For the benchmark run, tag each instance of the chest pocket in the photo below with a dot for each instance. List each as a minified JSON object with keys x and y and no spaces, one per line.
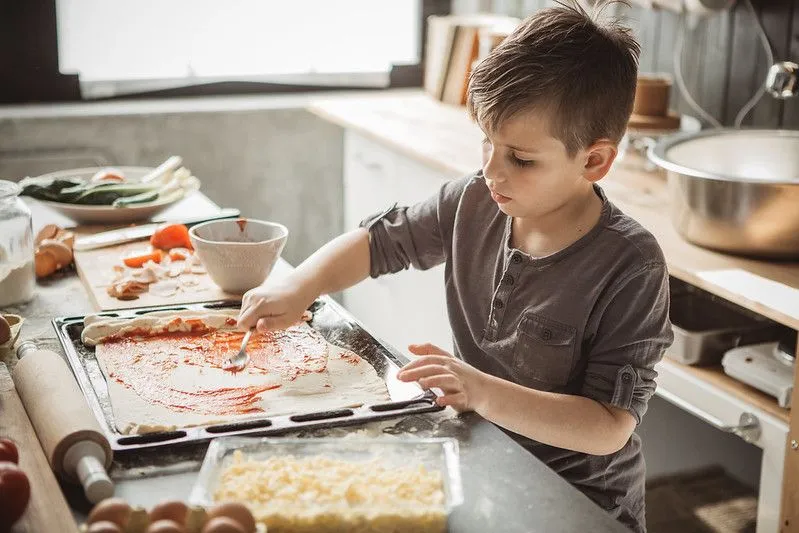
{"x":544,"y":352}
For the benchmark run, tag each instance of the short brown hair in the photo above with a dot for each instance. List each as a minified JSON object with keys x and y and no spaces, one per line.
{"x":563,"y":61}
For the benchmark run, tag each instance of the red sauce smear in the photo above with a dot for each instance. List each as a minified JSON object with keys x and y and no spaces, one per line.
{"x":143,"y":362}
{"x":242,"y":222}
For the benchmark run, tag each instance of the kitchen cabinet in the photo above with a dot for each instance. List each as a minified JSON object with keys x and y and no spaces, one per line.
{"x":414,"y":131}
{"x":409,"y":306}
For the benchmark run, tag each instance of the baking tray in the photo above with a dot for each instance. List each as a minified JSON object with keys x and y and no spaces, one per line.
{"x":329,"y":318}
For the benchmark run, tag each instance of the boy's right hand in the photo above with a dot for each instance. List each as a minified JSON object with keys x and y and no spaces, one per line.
{"x":274,"y":307}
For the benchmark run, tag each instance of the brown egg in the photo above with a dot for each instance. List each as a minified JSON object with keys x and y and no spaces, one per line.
{"x":104,"y":526}
{"x":223,"y":524}
{"x":165,"y":526}
{"x":114,"y":510}
{"x":174,"y":510}
{"x":238,"y":512}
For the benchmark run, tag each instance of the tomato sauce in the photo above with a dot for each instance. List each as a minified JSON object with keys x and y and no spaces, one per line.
{"x":145,"y":361}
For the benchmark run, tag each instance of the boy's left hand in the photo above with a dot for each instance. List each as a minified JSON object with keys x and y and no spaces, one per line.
{"x":462,"y":384}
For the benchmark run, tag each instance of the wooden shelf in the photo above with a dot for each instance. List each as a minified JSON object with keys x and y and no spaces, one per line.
{"x":715,"y":376}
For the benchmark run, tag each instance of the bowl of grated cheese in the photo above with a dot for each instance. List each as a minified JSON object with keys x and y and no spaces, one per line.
{"x":331,"y":484}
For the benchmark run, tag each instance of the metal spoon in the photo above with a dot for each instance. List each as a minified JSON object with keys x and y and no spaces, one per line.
{"x":240,"y":360}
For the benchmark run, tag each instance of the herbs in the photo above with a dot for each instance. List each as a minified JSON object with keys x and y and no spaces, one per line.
{"x":109,"y":193}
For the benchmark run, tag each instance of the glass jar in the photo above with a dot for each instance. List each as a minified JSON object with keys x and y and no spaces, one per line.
{"x":17,"y":275}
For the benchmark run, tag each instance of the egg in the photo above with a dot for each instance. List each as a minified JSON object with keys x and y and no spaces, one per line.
{"x":104,"y":526}
{"x":115,"y":510}
{"x":174,"y":510}
{"x":165,"y":526}
{"x":238,"y":512}
{"x":223,"y":524}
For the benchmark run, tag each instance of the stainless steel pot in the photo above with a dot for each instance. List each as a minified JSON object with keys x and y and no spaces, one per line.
{"x":734,"y":190}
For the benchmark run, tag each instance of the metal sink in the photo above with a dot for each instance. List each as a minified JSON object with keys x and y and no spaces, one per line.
{"x":734,"y":190}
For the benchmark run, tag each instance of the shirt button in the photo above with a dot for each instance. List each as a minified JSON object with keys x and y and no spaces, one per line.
{"x":498,"y":304}
{"x":516,"y":259}
{"x":626,"y":378}
{"x":508,"y":279}
{"x":546,"y":335}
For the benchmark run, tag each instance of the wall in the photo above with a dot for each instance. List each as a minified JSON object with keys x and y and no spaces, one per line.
{"x":723,"y":61}
{"x":265,"y":155}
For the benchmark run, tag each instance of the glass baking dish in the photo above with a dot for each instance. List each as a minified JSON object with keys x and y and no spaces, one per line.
{"x":324,"y":494}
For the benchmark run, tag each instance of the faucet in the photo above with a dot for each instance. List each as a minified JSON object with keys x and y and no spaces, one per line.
{"x":782,"y":80}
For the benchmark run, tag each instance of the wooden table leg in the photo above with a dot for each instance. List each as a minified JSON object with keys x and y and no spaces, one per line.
{"x":789,"y":521}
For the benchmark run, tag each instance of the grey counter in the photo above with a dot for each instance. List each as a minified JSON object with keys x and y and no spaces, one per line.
{"x":506,"y":488}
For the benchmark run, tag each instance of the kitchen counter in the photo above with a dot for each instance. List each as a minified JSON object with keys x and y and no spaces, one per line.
{"x":503,"y":483}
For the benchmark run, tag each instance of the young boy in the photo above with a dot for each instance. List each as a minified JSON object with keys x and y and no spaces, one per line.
{"x":558,"y":301}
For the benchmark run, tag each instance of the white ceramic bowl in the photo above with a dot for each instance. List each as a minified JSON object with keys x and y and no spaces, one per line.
{"x":238,"y":254}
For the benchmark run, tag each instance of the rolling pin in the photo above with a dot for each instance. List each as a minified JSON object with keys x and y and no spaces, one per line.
{"x":47,"y":509}
{"x":70,"y":436}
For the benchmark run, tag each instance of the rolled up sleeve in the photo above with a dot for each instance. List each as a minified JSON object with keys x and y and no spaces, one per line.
{"x":417,"y":236}
{"x":633,"y":332}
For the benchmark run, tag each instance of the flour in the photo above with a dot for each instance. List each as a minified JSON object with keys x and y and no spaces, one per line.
{"x":17,"y":282}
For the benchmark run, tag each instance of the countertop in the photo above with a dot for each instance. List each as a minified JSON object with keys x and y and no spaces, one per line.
{"x":505,"y":487}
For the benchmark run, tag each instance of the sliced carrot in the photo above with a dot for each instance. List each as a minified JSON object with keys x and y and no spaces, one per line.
{"x":137,"y":259}
{"x":171,"y":236}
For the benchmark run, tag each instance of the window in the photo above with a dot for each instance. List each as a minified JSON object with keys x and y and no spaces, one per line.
{"x":128,"y":46}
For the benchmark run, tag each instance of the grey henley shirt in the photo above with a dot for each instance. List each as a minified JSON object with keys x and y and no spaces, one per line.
{"x":591,"y":319}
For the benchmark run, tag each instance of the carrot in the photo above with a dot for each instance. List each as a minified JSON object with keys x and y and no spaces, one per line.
{"x":137,"y":260}
{"x":171,"y":236}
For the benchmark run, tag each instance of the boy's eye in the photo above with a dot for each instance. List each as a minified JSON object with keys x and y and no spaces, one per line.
{"x":521,"y":162}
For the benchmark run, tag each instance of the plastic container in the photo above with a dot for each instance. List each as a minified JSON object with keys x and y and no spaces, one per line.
{"x":312,"y":508}
{"x":705,"y":327}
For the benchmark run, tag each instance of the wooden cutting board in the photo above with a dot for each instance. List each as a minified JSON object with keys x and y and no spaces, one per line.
{"x":96,"y":271}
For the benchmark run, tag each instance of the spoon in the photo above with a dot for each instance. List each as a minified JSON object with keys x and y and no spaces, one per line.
{"x":238,"y":362}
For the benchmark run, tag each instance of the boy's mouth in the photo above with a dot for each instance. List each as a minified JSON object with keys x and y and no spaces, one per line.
{"x":499,"y":198}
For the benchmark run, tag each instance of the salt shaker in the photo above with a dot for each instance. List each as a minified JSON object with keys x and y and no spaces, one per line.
{"x":17,"y":275}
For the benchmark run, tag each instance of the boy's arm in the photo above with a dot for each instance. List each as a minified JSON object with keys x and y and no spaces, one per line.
{"x":562,"y":420}
{"x":391,"y":241}
{"x":339,"y":264}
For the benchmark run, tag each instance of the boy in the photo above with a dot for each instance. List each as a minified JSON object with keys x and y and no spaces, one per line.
{"x":558,"y":301}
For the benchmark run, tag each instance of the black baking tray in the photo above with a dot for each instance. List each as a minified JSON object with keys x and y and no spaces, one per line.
{"x":329,"y":318}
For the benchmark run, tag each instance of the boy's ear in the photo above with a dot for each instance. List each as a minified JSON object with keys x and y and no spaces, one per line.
{"x":598,"y":159}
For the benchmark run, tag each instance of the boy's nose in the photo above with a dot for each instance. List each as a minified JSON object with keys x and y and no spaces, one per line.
{"x":492,"y":170}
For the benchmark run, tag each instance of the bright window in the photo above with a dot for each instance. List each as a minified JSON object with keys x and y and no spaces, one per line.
{"x":187,"y":41}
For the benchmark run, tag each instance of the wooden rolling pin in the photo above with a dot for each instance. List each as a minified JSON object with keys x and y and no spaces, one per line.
{"x":70,"y":436}
{"x":47,"y":510}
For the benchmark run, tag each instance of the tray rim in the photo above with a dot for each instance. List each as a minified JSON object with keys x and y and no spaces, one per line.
{"x":261,"y":426}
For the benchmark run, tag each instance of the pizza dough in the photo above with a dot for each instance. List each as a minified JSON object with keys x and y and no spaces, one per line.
{"x":163,"y":371}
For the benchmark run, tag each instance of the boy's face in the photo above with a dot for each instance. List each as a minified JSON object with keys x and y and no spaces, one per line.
{"x":529,"y":172}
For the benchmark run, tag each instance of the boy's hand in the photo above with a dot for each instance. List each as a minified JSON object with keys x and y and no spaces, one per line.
{"x":462,"y":384}
{"x":274,"y":307}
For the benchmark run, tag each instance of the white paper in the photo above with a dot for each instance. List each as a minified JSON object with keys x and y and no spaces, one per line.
{"x":770,"y":293}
